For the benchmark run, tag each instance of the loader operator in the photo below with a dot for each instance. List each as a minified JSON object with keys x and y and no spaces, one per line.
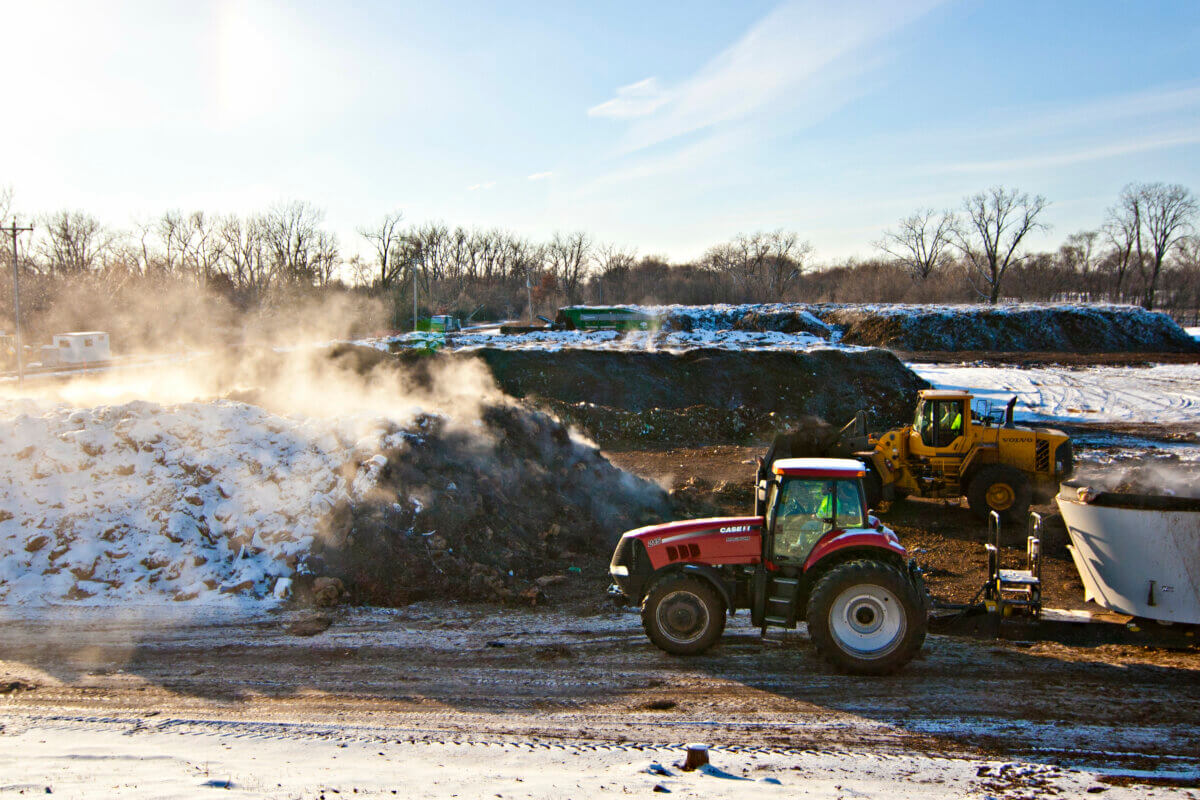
{"x":952,"y":418}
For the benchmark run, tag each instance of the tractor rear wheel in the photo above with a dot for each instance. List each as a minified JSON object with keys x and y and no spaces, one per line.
{"x":683,"y":615}
{"x":866,"y":617}
{"x":1000,"y":488}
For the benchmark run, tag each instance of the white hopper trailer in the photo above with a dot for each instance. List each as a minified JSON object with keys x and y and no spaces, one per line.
{"x":1136,"y":554}
{"x":77,"y":349}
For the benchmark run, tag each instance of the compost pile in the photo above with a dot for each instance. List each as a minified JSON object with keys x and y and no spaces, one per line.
{"x":703,"y":396}
{"x":1022,"y":328}
{"x":493,"y":511}
{"x":1146,"y":478}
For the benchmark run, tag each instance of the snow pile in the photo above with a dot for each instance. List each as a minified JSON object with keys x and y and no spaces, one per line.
{"x":1027,"y":327}
{"x":665,"y":340}
{"x":778,"y":317}
{"x":799,"y":327}
{"x":199,"y":501}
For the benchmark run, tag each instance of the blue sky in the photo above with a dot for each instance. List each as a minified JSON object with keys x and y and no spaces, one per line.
{"x":666,"y":127}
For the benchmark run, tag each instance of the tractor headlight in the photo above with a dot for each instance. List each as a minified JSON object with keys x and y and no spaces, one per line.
{"x":619,"y":571}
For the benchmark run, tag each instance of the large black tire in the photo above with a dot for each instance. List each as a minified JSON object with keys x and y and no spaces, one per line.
{"x":867,"y":618}
{"x":872,"y":488}
{"x":1000,"y":488}
{"x":683,"y":615}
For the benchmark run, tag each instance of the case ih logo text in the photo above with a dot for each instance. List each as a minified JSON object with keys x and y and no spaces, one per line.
{"x":736,"y":529}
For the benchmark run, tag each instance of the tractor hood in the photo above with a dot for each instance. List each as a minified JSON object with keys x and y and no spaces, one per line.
{"x":717,"y":540}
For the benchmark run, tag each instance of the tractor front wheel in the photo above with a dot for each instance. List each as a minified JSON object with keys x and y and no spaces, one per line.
{"x":683,"y":615}
{"x":1002,"y":489}
{"x":866,"y":617}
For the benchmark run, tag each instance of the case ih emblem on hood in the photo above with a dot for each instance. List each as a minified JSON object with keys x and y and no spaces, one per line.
{"x":657,"y":540}
{"x":736,"y":529}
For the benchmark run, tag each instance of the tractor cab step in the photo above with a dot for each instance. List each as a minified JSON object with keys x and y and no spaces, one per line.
{"x":782,"y":600}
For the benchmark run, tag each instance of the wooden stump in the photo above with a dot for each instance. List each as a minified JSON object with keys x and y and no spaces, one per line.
{"x":697,"y":756}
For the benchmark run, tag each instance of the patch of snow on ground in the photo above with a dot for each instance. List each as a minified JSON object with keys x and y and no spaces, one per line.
{"x":1193,"y":332}
{"x":1160,"y":394}
{"x":141,"y":502}
{"x":160,"y":757}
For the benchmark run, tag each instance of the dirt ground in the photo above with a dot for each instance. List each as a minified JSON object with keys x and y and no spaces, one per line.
{"x":575,"y":670}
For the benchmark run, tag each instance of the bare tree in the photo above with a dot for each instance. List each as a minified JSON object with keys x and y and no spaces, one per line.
{"x":290,"y":231}
{"x":1079,"y":252}
{"x":569,"y":255}
{"x":325,"y":258}
{"x":762,"y":265}
{"x":73,"y":241}
{"x":1120,"y":231}
{"x":175,"y":232}
{"x":997,"y":221}
{"x":385,"y":238}
{"x":785,"y":261}
{"x":614,"y":264}
{"x":1162,"y":214}
{"x":921,"y":243}
{"x":245,"y":261}
{"x":203,"y":246}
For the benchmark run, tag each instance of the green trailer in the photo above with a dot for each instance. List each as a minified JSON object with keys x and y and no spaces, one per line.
{"x":604,"y":318}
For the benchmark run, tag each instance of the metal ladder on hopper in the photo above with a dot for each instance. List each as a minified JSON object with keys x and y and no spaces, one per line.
{"x":1012,"y":591}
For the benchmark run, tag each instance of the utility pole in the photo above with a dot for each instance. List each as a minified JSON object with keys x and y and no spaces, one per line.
{"x":13,"y":230}
{"x":414,"y":298}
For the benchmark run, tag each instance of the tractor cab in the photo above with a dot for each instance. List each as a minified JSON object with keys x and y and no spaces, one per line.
{"x":807,"y":500}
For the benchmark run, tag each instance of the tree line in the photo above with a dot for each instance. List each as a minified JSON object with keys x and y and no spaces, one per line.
{"x":1146,"y":250}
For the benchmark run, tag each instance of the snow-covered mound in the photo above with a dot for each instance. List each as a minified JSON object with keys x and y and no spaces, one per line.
{"x":802,"y":327}
{"x":790,"y":318}
{"x":1015,"y":328}
{"x":142,"y":502}
{"x":669,"y":340}
{"x":224,"y":502}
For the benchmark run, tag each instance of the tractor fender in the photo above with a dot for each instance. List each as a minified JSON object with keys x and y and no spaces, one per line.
{"x":884,"y":543}
{"x":702,"y":571}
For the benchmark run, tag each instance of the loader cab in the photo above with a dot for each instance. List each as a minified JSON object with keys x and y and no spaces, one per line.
{"x":941,"y":422}
{"x":804,"y":503}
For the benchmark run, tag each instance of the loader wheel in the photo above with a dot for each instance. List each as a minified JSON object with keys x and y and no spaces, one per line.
{"x":683,"y":615}
{"x":872,"y":487}
{"x":1002,"y":489}
{"x":866,"y":617}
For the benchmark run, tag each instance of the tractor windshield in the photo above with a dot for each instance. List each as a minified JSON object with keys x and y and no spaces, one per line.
{"x":805,"y":509}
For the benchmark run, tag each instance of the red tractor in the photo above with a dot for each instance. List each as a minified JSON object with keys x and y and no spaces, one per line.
{"x":814,"y":552}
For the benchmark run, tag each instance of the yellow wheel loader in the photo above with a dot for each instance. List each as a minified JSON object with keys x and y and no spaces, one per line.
{"x":954,"y":448}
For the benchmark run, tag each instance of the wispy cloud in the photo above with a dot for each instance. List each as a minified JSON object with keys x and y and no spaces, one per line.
{"x":635,"y":100}
{"x":540,"y":176}
{"x":1079,"y":156}
{"x":481,"y":187}
{"x":783,"y":58}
